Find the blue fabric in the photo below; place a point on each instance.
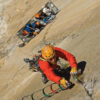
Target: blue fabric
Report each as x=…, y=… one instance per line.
x=37, y=65
x=33, y=24
x=45, y=20
x=49, y=16
x=27, y=25
x=27, y=28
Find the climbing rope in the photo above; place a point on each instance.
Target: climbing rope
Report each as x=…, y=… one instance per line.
x=83, y=85
x=77, y=80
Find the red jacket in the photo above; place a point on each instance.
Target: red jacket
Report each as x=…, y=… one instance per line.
x=48, y=69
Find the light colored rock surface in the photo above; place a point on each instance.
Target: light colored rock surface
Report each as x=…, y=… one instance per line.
x=75, y=29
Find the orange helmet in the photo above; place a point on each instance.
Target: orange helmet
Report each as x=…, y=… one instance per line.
x=48, y=52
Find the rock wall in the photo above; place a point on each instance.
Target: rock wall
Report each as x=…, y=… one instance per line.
x=14, y=14
x=75, y=29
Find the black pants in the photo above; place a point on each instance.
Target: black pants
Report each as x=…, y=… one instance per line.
x=63, y=72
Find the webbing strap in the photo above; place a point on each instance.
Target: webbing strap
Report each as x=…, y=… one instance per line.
x=77, y=80
x=52, y=89
x=61, y=88
x=46, y=95
x=32, y=97
x=42, y=59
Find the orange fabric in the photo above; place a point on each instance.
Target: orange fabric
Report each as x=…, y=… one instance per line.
x=37, y=23
x=24, y=32
x=35, y=33
x=37, y=15
x=48, y=69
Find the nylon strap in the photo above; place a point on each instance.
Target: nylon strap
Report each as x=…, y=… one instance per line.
x=46, y=95
x=52, y=89
x=32, y=97
x=42, y=59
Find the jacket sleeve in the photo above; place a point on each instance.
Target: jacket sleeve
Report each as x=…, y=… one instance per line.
x=48, y=71
x=66, y=55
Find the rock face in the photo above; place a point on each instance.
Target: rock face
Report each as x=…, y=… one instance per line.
x=13, y=15
x=75, y=29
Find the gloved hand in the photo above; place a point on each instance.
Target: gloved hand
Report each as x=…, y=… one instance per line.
x=64, y=82
x=73, y=71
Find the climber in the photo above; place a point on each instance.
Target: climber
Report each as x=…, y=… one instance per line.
x=48, y=64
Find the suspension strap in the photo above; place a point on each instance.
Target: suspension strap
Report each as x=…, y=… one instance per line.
x=52, y=89
x=41, y=58
x=32, y=97
x=46, y=95
x=61, y=87
x=77, y=80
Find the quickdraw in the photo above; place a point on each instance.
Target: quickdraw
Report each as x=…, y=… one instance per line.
x=77, y=80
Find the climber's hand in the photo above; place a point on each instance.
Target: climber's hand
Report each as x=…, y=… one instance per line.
x=64, y=83
x=73, y=71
